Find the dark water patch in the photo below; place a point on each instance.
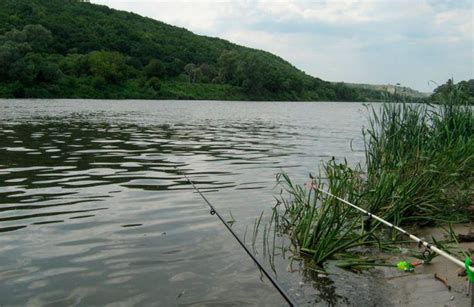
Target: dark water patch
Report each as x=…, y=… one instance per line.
x=48, y=222
x=81, y=217
x=13, y=228
x=31, y=216
x=131, y=225
x=36, y=207
x=251, y=188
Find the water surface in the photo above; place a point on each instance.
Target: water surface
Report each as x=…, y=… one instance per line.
x=93, y=210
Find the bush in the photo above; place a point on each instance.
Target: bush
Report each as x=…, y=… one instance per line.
x=154, y=83
x=154, y=68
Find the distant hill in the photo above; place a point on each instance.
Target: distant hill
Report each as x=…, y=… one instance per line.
x=391, y=89
x=73, y=49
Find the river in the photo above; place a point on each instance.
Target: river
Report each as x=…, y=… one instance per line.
x=94, y=212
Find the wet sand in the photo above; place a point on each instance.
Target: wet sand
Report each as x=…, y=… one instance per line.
x=388, y=286
x=420, y=288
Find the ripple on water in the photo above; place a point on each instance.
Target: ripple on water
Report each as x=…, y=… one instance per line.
x=94, y=212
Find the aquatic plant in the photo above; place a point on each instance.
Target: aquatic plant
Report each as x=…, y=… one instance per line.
x=420, y=162
x=322, y=227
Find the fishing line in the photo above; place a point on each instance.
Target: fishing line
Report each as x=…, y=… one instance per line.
x=213, y=211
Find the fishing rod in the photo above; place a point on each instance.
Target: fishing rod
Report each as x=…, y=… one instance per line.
x=213, y=211
x=465, y=265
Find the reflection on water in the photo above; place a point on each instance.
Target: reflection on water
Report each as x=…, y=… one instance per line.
x=93, y=210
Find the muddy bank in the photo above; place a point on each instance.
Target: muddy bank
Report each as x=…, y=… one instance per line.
x=421, y=288
x=388, y=286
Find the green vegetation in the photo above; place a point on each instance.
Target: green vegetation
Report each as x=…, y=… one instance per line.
x=420, y=162
x=419, y=171
x=321, y=227
x=73, y=49
x=464, y=88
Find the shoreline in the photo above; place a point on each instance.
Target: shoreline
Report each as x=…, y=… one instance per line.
x=421, y=287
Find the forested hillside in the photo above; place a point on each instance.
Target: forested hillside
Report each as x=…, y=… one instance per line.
x=73, y=49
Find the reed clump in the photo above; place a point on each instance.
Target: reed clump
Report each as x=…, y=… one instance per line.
x=418, y=171
x=321, y=227
x=420, y=162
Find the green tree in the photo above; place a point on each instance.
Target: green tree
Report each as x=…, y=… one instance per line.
x=21, y=71
x=155, y=68
x=191, y=71
x=207, y=73
x=38, y=37
x=227, y=66
x=109, y=65
x=9, y=54
x=154, y=83
x=48, y=72
x=174, y=67
x=75, y=65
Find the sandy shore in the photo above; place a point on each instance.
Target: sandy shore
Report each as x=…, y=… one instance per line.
x=420, y=288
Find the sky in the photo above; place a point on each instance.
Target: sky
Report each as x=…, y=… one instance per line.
x=411, y=42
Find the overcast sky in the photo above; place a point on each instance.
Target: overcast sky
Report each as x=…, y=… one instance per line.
x=369, y=41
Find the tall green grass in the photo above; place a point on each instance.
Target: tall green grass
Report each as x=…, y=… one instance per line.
x=420, y=162
x=322, y=227
x=419, y=170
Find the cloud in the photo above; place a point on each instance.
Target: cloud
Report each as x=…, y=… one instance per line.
x=376, y=41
